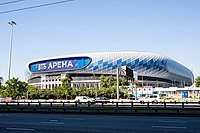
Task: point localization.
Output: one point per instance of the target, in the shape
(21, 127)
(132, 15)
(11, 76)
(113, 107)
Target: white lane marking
(167, 127)
(8, 114)
(78, 119)
(59, 123)
(20, 129)
(53, 120)
(173, 121)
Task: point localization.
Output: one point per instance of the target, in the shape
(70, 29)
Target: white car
(150, 98)
(2, 99)
(84, 99)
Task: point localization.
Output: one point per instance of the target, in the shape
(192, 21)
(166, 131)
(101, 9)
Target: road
(62, 123)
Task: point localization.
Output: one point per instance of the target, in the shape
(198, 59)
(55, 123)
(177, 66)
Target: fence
(130, 107)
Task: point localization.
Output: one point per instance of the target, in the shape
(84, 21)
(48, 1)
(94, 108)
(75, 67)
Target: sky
(166, 27)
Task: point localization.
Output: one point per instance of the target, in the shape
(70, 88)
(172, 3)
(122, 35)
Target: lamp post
(117, 83)
(193, 83)
(12, 23)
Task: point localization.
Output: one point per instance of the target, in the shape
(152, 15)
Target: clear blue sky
(167, 27)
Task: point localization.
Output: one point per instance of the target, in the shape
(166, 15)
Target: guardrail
(127, 107)
(103, 104)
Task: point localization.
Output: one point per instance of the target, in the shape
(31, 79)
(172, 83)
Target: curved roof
(144, 63)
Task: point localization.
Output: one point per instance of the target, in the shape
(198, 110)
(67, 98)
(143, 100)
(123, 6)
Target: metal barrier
(105, 104)
(102, 107)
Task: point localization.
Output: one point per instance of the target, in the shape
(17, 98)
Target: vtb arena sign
(62, 64)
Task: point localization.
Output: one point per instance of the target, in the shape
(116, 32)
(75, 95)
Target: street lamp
(193, 83)
(123, 70)
(12, 23)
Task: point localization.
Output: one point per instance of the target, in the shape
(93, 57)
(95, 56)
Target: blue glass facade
(146, 64)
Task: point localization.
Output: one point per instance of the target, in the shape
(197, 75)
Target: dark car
(132, 97)
(101, 99)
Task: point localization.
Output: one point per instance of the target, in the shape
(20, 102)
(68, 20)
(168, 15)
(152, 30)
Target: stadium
(150, 69)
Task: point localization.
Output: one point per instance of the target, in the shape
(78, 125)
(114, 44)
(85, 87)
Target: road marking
(78, 119)
(59, 123)
(53, 120)
(166, 127)
(6, 114)
(20, 129)
(173, 121)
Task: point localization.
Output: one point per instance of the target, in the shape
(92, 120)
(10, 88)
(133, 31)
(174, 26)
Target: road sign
(184, 94)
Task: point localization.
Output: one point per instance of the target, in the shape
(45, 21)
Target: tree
(15, 88)
(107, 81)
(111, 81)
(123, 81)
(109, 85)
(57, 92)
(32, 92)
(197, 81)
(74, 93)
(102, 82)
(66, 86)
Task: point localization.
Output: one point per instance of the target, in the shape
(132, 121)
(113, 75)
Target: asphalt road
(62, 123)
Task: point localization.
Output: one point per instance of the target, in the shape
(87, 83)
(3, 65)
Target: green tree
(15, 88)
(111, 81)
(102, 82)
(109, 85)
(113, 92)
(197, 81)
(66, 86)
(44, 93)
(58, 92)
(82, 91)
(74, 92)
(32, 92)
(123, 81)
(107, 81)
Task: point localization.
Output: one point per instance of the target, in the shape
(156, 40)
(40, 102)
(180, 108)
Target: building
(85, 69)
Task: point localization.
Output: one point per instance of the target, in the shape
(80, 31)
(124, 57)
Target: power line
(10, 2)
(37, 6)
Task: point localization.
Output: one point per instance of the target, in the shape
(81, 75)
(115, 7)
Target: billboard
(128, 72)
(60, 64)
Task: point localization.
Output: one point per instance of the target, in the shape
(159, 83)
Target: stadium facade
(85, 69)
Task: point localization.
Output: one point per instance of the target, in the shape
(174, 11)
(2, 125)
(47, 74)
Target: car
(2, 99)
(81, 99)
(102, 99)
(150, 98)
(168, 99)
(132, 97)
